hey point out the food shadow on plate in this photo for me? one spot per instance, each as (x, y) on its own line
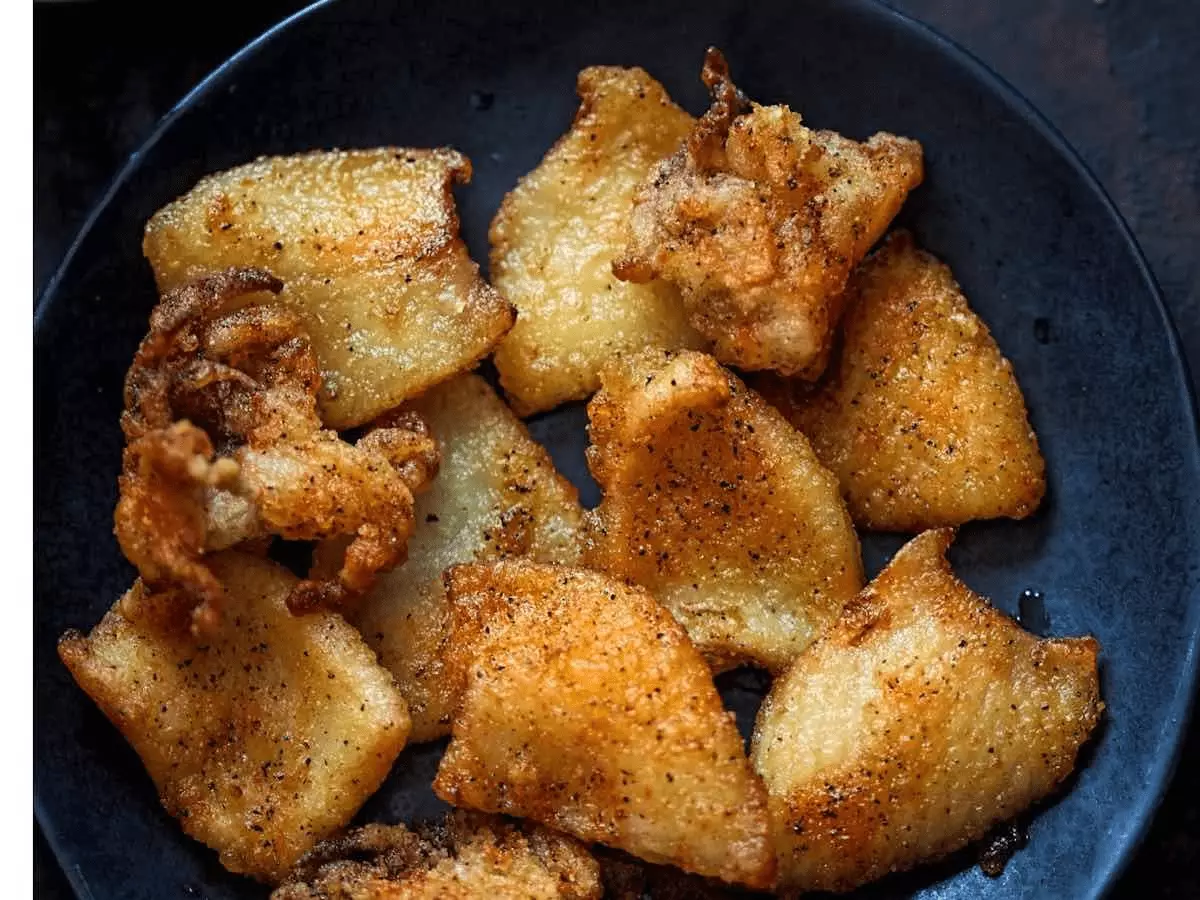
(407, 796)
(121, 763)
(563, 432)
(743, 690)
(1001, 559)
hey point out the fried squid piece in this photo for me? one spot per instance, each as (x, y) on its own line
(161, 520)
(587, 708)
(367, 244)
(468, 856)
(226, 446)
(922, 719)
(919, 416)
(718, 507)
(759, 220)
(497, 494)
(262, 738)
(558, 231)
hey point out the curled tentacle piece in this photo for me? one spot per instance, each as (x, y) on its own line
(252, 460)
(706, 143)
(405, 440)
(172, 341)
(160, 519)
(402, 445)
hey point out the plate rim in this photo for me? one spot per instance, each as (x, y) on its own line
(1183, 703)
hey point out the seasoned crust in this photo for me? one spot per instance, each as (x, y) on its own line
(717, 506)
(467, 856)
(923, 718)
(758, 220)
(920, 416)
(226, 447)
(587, 708)
(497, 494)
(558, 231)
(263, 737)
(367, 242)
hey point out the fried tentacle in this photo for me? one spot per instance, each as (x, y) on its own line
(405, 440)
(247, 380)
(161, 521)
(706, 143)
(758, 220)
(172, 343)
(347, 567)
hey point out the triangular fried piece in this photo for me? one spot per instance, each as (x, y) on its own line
(262, 737)
(367, 245)
(920, 417)
(922, 719)
(497, 494)
(758, 220)
(556, 235)
(718, 507)
(588, 709)
(469, 856)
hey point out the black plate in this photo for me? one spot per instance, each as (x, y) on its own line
(1037, 245)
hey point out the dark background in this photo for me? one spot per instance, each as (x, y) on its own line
(1120, 78)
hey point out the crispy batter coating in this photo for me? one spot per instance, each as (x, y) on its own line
(262, 738)
(923, 718)
(557, 233)
(171, 370)
(588, 709)
(161, 520)
(497, 494)
(759, 221)
(367, 243)
(719, 507)
(920, 416)
(469, 856)
(247, 377)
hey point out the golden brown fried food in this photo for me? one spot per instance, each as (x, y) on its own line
(719, 507)
(367, 244)
(172, 368)
(469, 856)
(920, 416)
(557, 233)
(759, 221)
(923, 718)
(247, 377)
(262, 738)
(588, 709)
(497, 494)
(162, 520)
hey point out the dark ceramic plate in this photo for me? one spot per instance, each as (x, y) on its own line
(1033, 239)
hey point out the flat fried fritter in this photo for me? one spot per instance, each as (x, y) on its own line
(557, 233)
(262, 738)
(920, 416)
(470, 856)
(718, 507)
(367, 244)
(759, 221)
(496, 494)
(588, 709)
(923, 718)
(226, 446)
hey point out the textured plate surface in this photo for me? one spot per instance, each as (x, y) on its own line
(1038, 248)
